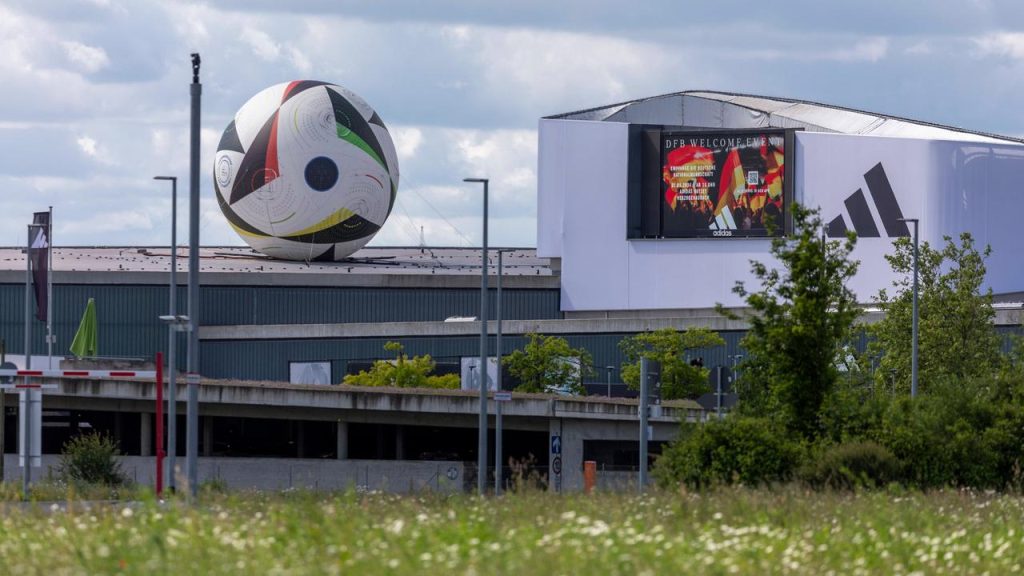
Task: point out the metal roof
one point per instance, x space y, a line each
242 265
712 109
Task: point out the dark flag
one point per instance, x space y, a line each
38 253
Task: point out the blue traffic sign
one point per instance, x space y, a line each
556 444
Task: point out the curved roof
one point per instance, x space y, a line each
711 109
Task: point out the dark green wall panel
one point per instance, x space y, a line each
128 314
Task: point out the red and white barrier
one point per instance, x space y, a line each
80 373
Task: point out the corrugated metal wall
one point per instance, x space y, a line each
286 305
128 314
269 359
129 326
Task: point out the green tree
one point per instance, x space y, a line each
402 372
957 338
799 321
669 346
547 363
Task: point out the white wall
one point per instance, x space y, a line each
951 186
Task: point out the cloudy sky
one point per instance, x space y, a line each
95 97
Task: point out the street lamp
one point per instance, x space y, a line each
498 385
913 353
482 437
609 369
173 326
735 373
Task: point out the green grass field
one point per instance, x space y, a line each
735 531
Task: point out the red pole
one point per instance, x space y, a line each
160 423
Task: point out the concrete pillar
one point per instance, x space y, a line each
399 442
380 442
117 429
555 479
573 434
145 434
342 443
207 435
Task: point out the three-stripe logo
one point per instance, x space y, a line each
860 215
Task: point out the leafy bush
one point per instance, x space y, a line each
951 439
852 465
738 449
403 372
91 459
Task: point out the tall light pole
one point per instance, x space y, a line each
482 437
172 337
498 386
735 373
192 420
642 409
914 334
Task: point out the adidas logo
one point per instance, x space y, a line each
860 215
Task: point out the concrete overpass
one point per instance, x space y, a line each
403 434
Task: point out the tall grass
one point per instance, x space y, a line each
783 531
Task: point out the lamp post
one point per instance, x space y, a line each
482 436
609 369
498 477
914 334
172 337
735 373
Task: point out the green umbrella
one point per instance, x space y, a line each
84 343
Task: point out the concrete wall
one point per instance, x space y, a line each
394 476
573 433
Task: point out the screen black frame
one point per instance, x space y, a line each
644 206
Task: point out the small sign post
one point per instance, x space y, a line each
556 462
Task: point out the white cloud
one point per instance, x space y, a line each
105 222
299 60
92 148
922 48
867 50
88 145
261 43
88 58
407 140
461 93
549 68
1004 44
870 49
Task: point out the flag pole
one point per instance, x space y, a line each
26 476
49 290
28 301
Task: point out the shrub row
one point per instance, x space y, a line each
958 435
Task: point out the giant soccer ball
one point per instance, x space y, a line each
306 171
